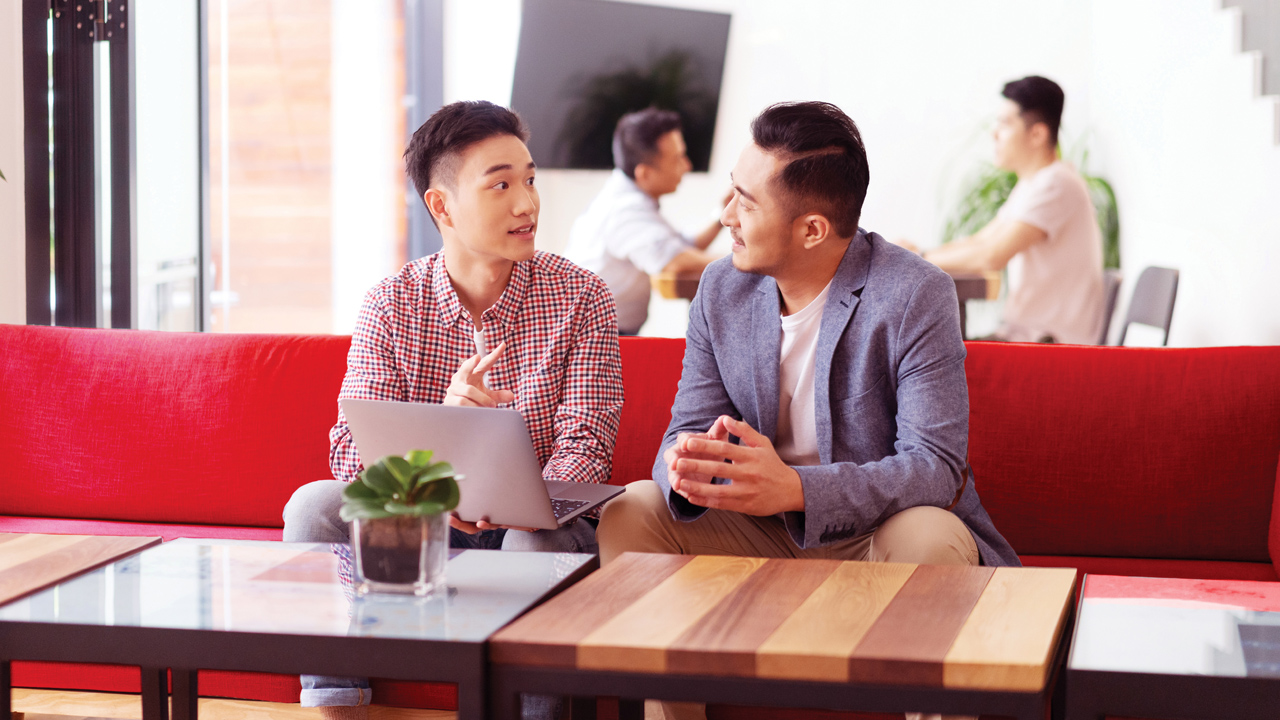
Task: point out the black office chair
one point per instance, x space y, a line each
1110 292
1152 302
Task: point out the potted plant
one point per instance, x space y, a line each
398 509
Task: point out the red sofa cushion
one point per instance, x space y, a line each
1127 452
650 375
59 526
177 428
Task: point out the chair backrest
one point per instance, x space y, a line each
1152 302
1110 291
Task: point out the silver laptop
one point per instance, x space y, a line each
490 447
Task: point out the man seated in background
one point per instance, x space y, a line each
550 325
822 410
1046 233
622 237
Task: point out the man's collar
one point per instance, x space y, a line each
504 310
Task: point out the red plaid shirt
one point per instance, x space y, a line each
562 362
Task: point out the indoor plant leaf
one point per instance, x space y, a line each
419 458
399 469
443 491
359 491
433 472
363 509
380 480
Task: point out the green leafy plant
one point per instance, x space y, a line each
400 486
988 187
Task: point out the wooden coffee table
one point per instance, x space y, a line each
1171 648
799 633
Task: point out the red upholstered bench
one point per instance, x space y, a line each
1123 461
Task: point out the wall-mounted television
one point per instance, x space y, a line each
582 64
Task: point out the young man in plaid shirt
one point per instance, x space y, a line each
486 322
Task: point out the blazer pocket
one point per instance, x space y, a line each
851 402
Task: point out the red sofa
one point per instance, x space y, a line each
1155 462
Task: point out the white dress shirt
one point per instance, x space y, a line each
622 238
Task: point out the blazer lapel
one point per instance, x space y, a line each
842 300
766 346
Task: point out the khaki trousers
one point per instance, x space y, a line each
640 521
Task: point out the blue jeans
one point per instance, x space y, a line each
311 515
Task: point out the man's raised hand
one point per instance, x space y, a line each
762 484
467 387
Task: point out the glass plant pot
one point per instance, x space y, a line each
404 554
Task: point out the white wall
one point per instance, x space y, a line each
922 78
1188 146
13 285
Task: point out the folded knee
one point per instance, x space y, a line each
925 535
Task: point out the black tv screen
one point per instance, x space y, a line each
583 64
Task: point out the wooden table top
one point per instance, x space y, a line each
820 620
31 561
969 286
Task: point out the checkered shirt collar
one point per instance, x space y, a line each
449 307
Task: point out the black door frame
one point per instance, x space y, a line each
60 190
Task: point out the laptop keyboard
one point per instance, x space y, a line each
564 507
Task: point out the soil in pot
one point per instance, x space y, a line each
391 549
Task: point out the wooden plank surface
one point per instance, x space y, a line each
746 617
909 641
1009 638
816 641
548 635
815 620
637 638
31 562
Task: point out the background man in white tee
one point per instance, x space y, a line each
1046 233
622 237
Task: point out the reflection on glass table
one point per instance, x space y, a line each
250 586
1159 647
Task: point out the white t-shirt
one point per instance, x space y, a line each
624 239
1055 286
797 439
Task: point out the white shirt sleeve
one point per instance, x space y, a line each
645 240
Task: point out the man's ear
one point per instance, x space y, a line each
643 175
812 230
1039 134
437 205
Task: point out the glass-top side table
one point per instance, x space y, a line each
278 607
1174 648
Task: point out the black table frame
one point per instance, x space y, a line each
507 682
185 651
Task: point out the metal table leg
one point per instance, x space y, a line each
186 694
155 693
6 692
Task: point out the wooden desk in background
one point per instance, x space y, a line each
979 286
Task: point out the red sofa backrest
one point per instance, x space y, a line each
163 427
1127 452
650 373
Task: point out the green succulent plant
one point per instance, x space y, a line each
396 486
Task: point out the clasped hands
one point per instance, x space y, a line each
467 389
762 484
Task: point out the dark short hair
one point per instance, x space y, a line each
635 138
826 167
1041 101
435 148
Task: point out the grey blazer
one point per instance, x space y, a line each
892 405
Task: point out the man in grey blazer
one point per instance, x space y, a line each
822 410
